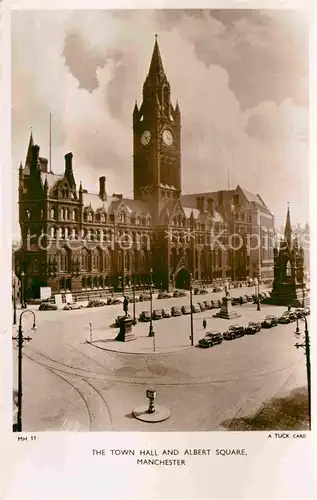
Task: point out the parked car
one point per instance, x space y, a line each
144 297
72 305
116 301
208 304
235 301
210 339
196 308
253 327
176 311
307 311
145 316
46 306
202 306
166 312
249 298
285 318
186 309
96 303
157 314
179 293
243 299
164 295
292 316
133 299
269 321
217 289
233 332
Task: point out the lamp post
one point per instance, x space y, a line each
20 339
133 291
191 311
23 304
14 302
257 288
306 346
151 330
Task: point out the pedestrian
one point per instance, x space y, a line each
241 300
289 308
204 324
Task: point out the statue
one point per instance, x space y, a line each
126 305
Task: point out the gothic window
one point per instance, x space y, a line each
66 213
168 194
242 216
122 218
103 218
119 260
66 232
138 221
85 217
60 232
89 217
84 260
95 261
126 260
53 232
97 217
53 213
89 235
62 214
74 233
63 261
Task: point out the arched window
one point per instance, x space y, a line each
95 261
85 216
74 214
120 260
53 213
126 260
84 260
137 221
62 214
53 232
63 261
89 217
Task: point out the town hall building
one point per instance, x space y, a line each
73 240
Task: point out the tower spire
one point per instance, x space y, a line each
288 229
156 66
28 159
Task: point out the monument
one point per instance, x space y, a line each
226 311
125 325
289 286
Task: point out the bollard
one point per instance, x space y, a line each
151 394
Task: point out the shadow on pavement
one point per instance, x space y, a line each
287 413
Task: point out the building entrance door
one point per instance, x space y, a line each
182 279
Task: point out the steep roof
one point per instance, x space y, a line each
51 178
253 198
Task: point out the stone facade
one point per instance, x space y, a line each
75 240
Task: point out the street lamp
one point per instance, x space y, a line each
23 304
306 346
151 330
20 339
14 301
191 311
133 291
257 287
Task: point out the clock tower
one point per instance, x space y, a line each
157 140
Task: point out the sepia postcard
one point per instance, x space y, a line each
157 270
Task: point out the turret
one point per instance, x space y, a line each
288 230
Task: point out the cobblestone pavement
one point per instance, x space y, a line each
72 385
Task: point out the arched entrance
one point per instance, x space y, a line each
182 279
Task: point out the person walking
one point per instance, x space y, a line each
204 324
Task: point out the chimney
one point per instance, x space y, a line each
102 188
211 206
44 165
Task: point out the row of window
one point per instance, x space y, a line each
98 261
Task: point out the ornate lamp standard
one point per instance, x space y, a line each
132 278
306 346
23 304
191 310
20 339
14 301
151 330
257 288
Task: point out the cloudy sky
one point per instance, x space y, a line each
240 76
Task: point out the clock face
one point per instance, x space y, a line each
168 137
145 137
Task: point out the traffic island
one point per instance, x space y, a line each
151 413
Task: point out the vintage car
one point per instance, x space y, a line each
208 304
179 293
144 297
145 316
96 303
176 311
210 339
186 309
269 321
252 327
202 306
157 314
164 295
300 312
166 312
285 318
217 289
233 332
196 308
72 305
46 306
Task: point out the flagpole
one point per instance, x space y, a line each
50 143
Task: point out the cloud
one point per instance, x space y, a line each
87 70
